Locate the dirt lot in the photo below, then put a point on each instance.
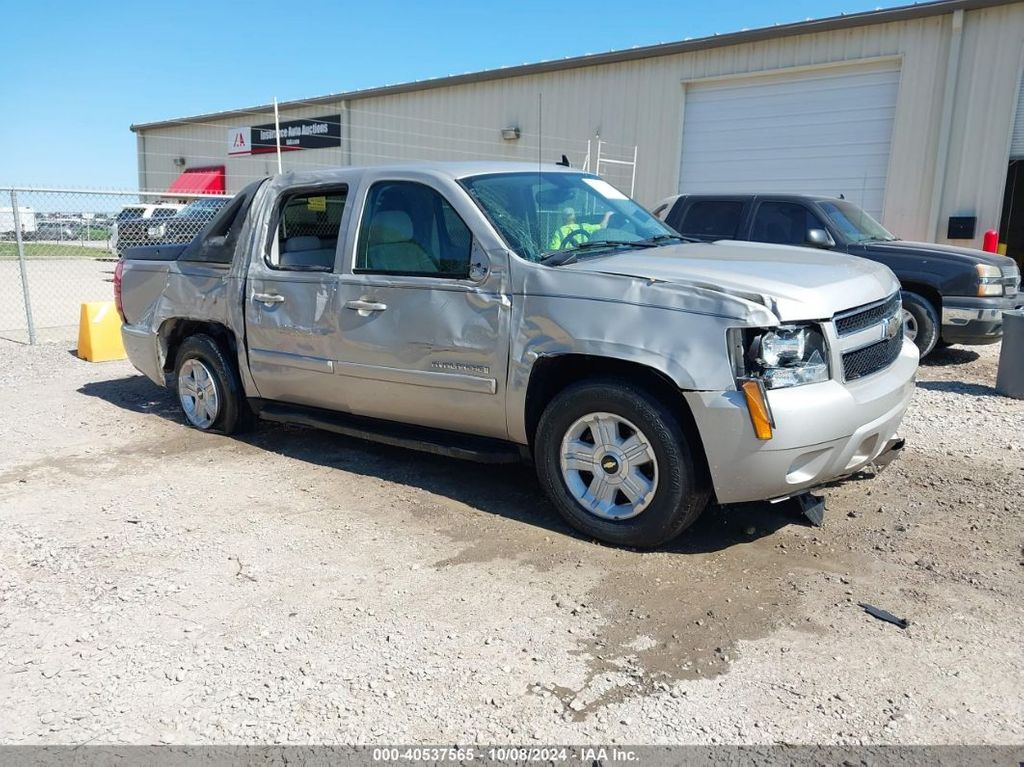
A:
(162, 585)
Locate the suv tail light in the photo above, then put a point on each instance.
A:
(118, 271)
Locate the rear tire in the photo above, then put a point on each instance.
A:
(921, 322)
(618, 465)
(209, 389)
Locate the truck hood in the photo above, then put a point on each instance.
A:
(796, 283)
(949, 253)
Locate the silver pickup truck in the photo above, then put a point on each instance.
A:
(503, 312)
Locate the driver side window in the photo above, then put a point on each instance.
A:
(409, 228)
(785, 223)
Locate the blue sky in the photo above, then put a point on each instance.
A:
(77, 74)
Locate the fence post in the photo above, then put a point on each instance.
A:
(21, 264)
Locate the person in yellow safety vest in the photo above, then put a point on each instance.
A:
(570, 234)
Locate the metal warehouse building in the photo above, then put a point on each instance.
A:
(914, 112)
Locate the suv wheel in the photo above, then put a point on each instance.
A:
(618, 465)
(920, 322)
(208, 387)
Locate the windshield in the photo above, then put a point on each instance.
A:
(541, 214)
(854, 223)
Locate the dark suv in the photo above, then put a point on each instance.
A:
(182, 227)
(951, 295)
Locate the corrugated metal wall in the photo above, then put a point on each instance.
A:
(641, 103)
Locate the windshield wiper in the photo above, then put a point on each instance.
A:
(663, 237)
(568, 256)
(591, 244)
(558, 258)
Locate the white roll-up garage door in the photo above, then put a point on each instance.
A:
(819, 132)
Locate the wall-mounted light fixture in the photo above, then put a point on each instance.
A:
(179, 162)
(510, 134)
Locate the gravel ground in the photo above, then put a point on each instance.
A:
(159, 585)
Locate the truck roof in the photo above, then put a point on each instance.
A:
(453, 170)
(784, 196)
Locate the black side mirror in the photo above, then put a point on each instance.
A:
(820, 238)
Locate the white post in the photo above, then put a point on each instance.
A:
(597, 165)
(277, 133)
(22, 267)
(632, 183)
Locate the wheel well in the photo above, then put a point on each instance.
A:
(174, 332)
(550, 375)
(926, 292)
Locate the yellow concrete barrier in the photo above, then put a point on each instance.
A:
(99, 333)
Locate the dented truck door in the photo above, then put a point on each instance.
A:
(291, 298)
(424, 319)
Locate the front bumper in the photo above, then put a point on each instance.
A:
(976, 321)
(822, 432)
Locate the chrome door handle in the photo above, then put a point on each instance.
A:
(268, 298)
(366, 306)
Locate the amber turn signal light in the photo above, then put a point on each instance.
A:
(757, 404)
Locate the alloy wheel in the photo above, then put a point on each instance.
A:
(197, 392)
(609, 466)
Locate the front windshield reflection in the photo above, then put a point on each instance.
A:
(544, 214)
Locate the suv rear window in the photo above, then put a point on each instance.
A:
(130, 213)
(712, 218)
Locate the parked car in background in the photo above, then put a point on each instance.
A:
(182, 227)
(136, 212)
(497, 311)
(951, 295)
(57, 230)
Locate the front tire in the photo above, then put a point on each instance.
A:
(208, 387)
(618, 465)
(920, 322)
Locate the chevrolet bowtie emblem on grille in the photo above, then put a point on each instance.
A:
(891, 326)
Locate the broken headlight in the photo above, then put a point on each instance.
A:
(789, 355)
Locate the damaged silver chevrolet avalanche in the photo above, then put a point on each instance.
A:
(495, 312)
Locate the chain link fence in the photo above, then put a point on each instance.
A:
(58, 248)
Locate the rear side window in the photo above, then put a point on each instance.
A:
(308, 224)
(712, 218)
(785, 223)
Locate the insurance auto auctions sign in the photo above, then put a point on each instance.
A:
(305, 133)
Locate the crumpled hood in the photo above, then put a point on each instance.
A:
(798, 283)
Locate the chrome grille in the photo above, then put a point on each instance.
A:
(871, 359)
(870, 336)
(864, 317)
